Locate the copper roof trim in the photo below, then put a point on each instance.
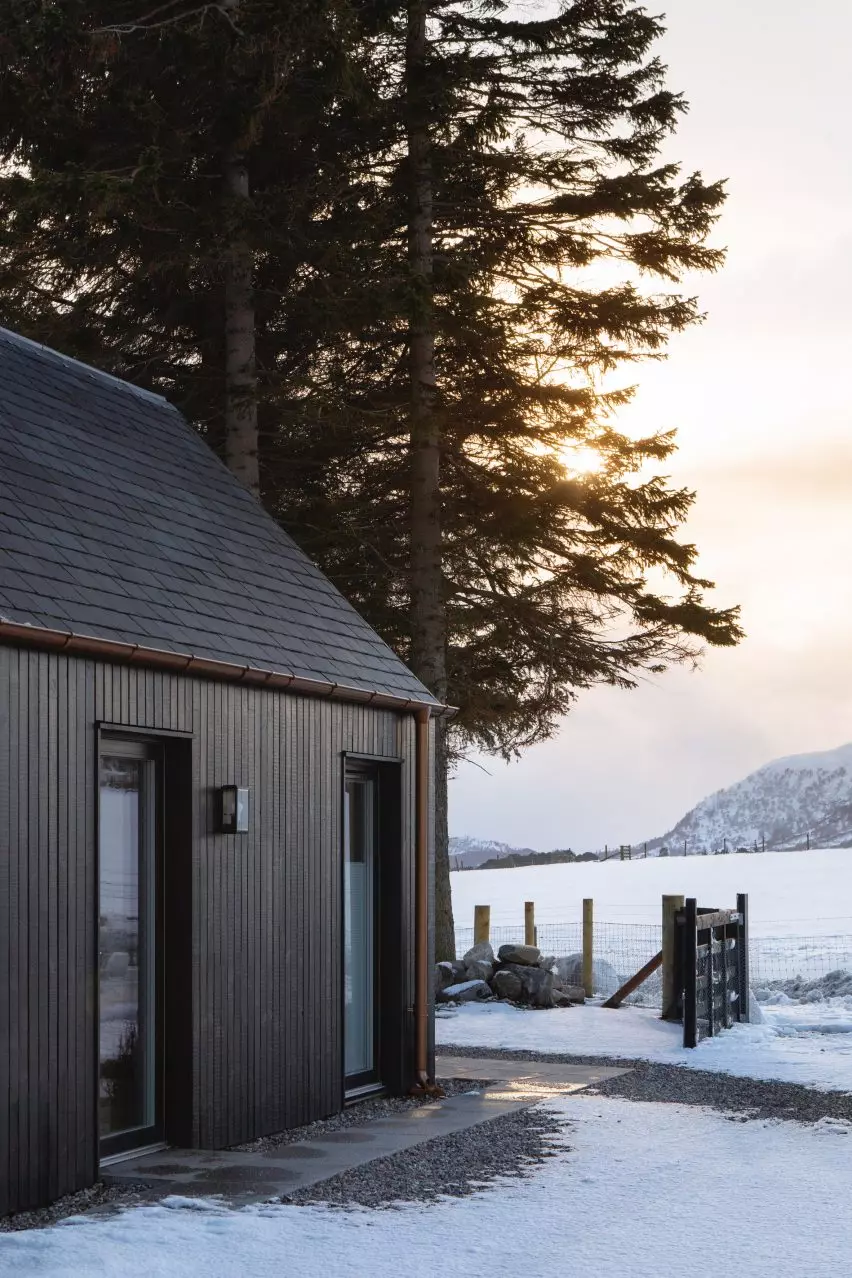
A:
(185, 663)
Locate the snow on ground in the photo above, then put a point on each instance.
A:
(627, 1196)
(796, 894)
(797, 1043)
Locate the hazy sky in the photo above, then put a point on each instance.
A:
(761, 395)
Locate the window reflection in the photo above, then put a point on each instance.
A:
(125, 956)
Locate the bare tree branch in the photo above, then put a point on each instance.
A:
(152, 21)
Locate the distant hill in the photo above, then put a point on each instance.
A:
(486, 854)
(781, 806)
(467, 853)
(561, 856)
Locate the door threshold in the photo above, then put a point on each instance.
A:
(112, 1159)
(367, 1092)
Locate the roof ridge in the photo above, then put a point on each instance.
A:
(89, 368)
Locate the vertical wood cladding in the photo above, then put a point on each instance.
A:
(263, 996)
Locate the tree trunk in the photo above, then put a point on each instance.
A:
(428, 612)
(445, 932)
(241, 443)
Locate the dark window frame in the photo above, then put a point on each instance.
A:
(152, 841)
(388, 1073)
(175, 934)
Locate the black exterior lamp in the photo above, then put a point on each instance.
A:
(234, 811)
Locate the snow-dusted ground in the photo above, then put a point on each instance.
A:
(791, 894)
(796, 904)
(625, 1197)
(798, 1043)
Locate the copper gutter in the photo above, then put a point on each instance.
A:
(186, 663)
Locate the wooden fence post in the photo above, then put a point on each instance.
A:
(588, 946)
(671, 993)
(529, 922)
(481, 923)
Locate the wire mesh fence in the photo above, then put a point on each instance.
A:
(806, 969)
(802, 968)
(620, 949)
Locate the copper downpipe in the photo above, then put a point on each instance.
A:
(425, 1084)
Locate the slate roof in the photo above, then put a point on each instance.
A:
(118, 522)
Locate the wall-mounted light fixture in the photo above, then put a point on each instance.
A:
(234, 811)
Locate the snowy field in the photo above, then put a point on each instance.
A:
(621, 1198)
(791, 894)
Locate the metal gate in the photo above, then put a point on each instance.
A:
(712, 951)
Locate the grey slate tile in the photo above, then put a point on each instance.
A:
(118, 521)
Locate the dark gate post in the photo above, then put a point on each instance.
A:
(672, 965)
(743, 1010)
(690, 973)
(709, 978)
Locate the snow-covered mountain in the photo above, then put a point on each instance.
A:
(782, 805)
(466, 852)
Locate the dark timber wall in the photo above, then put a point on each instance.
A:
(262, 993)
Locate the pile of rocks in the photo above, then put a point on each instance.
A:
(517, 974)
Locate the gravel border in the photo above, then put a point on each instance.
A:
(103, 1199)
(99, 1199)
(675, 1084)
(457, 1165)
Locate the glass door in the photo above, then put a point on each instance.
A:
(129, 1093)
(360, 884)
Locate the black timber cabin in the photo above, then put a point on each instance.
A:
(215, 802)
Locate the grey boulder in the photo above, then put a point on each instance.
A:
(506, 984)
(560, 999)
(525, 955)
(444, 976)
(569, 971)
(536, 985)
(479, 970)
(481, 953)
(465, 992)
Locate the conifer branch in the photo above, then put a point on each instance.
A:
(152, 21)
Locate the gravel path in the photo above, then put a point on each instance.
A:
(512, 1145)
(673, 1084)
(456, 1165)
(102, 1198)
(99, 1199)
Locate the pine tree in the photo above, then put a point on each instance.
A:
(161, 166)
(530, 154)
(550, 216)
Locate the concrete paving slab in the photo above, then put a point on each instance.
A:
(256, 1175)
(247, 1176)
(498, 1069)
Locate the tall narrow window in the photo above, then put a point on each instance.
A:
(360, 914)
(127, 943)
